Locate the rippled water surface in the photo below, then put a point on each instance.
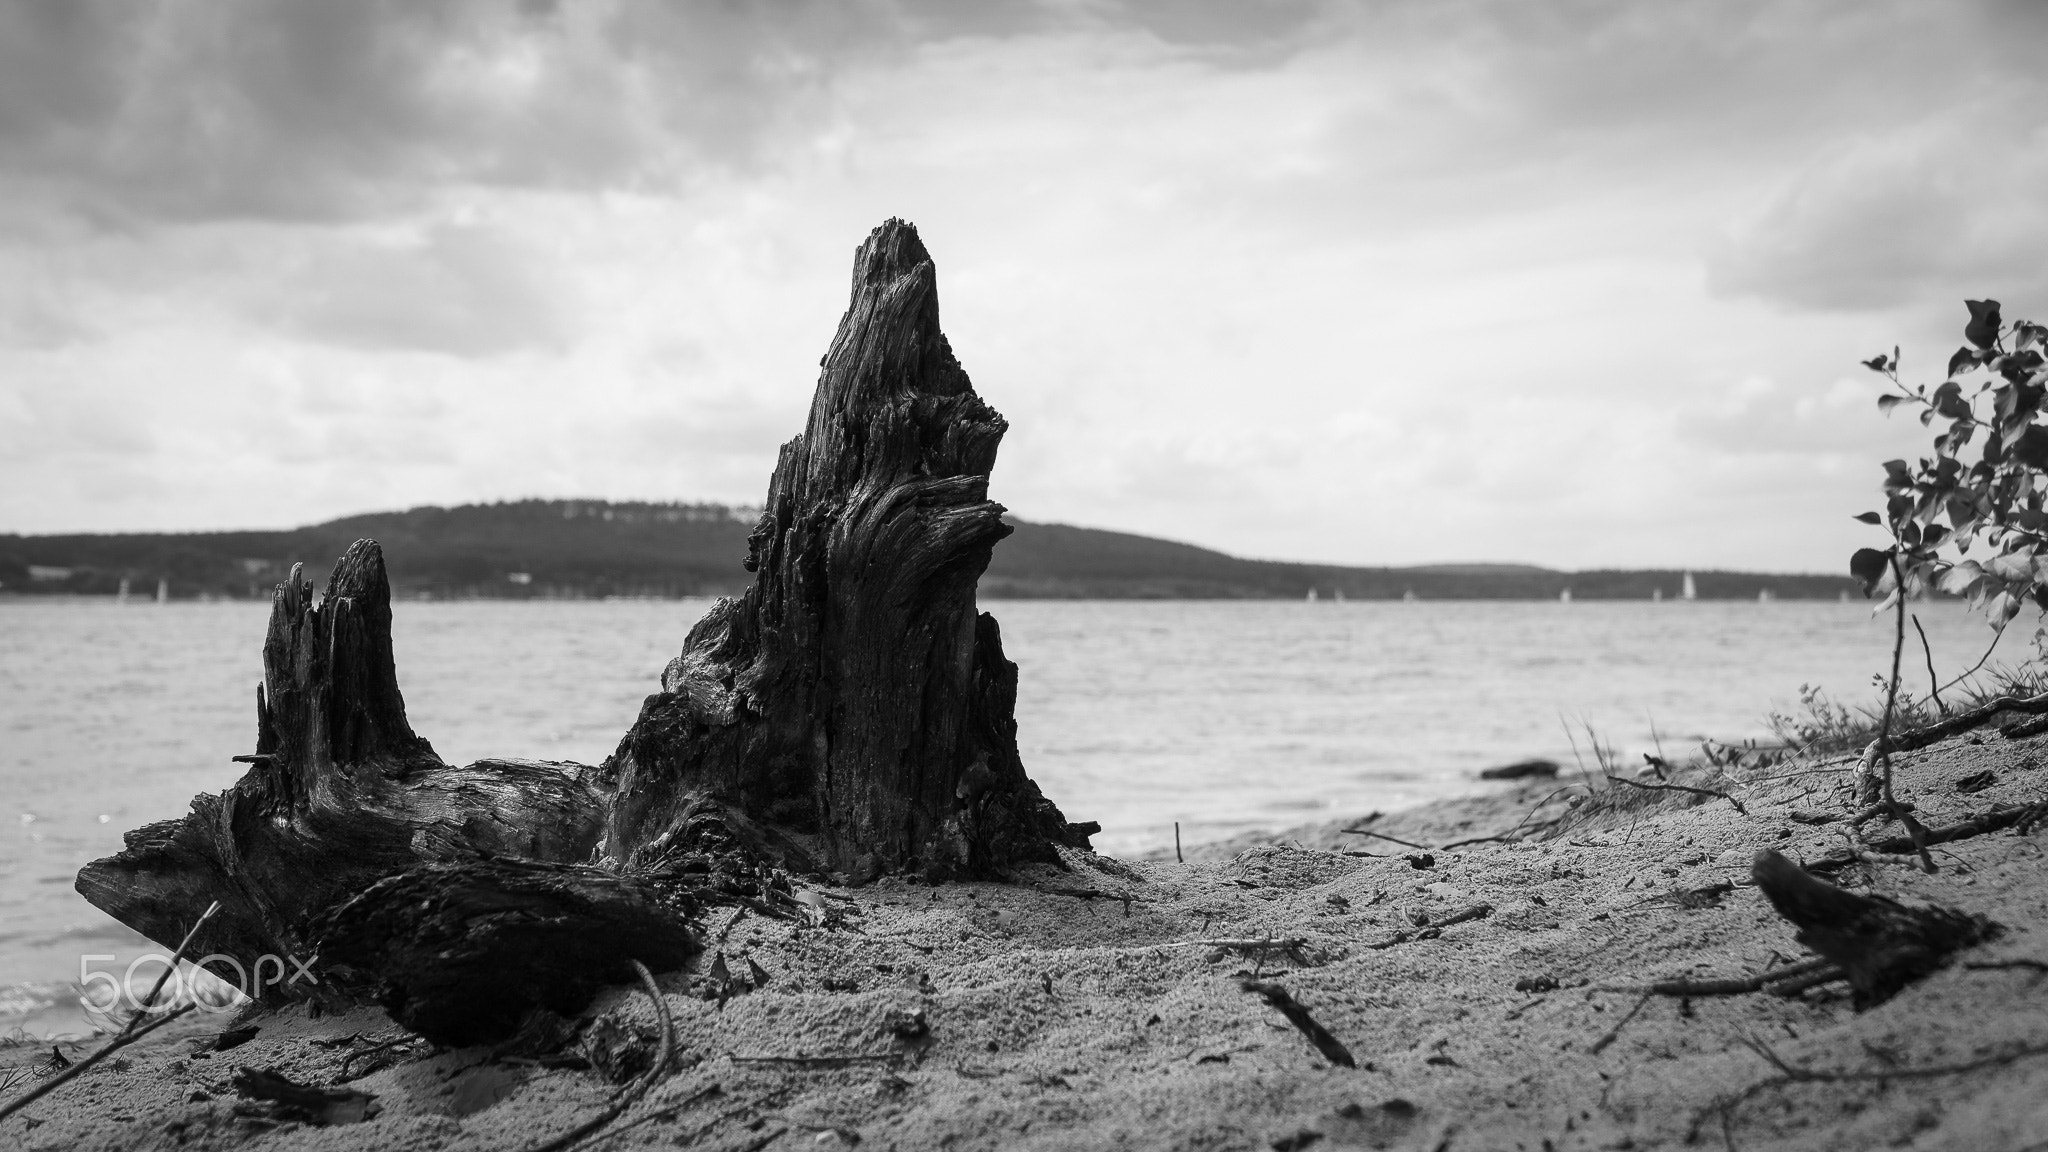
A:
(1221, 715)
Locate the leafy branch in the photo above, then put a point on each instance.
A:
(1940, 506)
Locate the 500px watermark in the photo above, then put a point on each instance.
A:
(201, 985)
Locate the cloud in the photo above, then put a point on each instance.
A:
(1949, 211)
(459, 290)
(1377, 282)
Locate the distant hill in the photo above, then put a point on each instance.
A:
(531, 549)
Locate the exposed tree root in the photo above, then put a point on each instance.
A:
(1793, 1074)
(2022, 818)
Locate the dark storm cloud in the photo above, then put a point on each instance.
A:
(315, 110)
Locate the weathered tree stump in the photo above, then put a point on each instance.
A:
(853, 698)
(851, 713)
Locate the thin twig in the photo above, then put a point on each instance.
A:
(1891, 692)
(1477, 840)
(827, 1061)
(639, 1087)
(1793, 1074)
(1814, 979)
(1988, 965)
(176, 956)
(1681, 788)
(1733, 986)
(1384, 836)
(372, 1050)
(1601, 1044)
(1997, 634)
(1933, 689)
(1278, 999)
(111, 1046)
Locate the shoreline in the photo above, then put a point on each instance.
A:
(1028, 1015)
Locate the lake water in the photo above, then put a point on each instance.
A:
(1223, 716)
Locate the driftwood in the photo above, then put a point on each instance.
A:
(851, 714)
(1879, 944)
(341, 794)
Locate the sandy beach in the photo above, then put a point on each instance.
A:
(1487, 994)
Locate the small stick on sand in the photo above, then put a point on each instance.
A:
(1384, 836)
(1681, 788)
(112, 1046)
(130, 1032)
(1992, 965)
(1277, 998)
(1177, 857)
(1776, 979)
(1613, 1033)
(828, 1061)
(1478, 840)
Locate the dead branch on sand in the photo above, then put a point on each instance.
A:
(1277, 998)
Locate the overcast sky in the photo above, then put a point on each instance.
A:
(1582, 284)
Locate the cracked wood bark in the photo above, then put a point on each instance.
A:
(853, 697)
(852, 711)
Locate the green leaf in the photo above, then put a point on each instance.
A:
(1964, 360)
(1869, 566)
(1948, 400)
(1982, 330)
(1877, 363)
(1870, 517)
(1957, 581)
(2032, 448)
(2018, 569)
(1887, 402)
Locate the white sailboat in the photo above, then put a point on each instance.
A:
(1409, 596)
(1765, 596)
(163, 591)
(123, 597)
(1690, 591)
(1311, 595)
(1657, 595)
(1564, 597)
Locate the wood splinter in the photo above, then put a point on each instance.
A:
(1879, 944)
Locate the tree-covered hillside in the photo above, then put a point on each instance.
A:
(592, 548)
